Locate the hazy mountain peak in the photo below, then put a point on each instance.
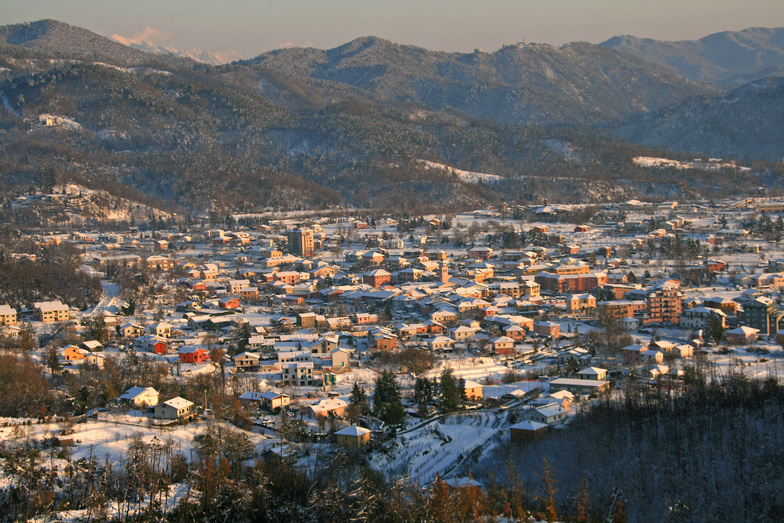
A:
(62, 40)
(199, 55)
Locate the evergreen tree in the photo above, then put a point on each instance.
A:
(359, 399)
(714, 330)
(386, 399)
(450, 398)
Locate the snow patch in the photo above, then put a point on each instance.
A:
(713, 164)
(466, 176)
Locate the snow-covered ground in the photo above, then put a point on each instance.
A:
(466, 176)
(439, 447)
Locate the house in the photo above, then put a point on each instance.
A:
(592, 373)
(585, 387)
(272, 401)
(161, 329)
(178, 409)
(342, 357)
(151, 343)
(482, 253)
(92, 345)
(353, 437)
(7, 315)
(95, 358)
(632, 354)
(462, 333)
(130, 330)
(696, 318)
(440, 343)
(140, 396)
(527, 431)
(377, 278)
(503, 345)
(515, 332)
(333, 406)
(547, 328)
(578, 303)
(229, 302)
(246, 361)
(249, 293)
(742, 335)
(49, 311)
(473, 390)
(191, 354)
(297, 373)
(73, 353)
(548, 414)
(683, 351)
(762, 314)
(251, 400)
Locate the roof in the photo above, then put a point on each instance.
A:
(135, 392)
(593, 371)
(47, 306)
(178, 403)
(352, 431)
(190, 349)
(529, 425)
(6, 309)
(462, 482)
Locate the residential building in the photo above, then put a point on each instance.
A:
(7, 315)
(140, 396)
(581, 386)
(298, 373)
(178, 409)
(665, 305)
(50, 311)
(353, 437)
(763, 315)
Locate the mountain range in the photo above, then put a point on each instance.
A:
(730, 58)
(198, 55)
(365, 123)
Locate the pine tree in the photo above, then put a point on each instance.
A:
(386, 399)
(450, 399)
(360, 399)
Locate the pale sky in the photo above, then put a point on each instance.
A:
(252, 27)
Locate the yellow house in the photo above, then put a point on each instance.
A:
(353, 437)
(49, 311)
(74, 353)
(7, 315)
(473, 390)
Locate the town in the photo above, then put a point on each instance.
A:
(419, 342)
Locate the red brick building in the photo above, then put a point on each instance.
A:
(377, 278)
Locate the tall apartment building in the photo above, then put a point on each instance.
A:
(301, 242)
(763, 315)
(665, 306)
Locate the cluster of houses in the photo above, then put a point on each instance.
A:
(311, 308)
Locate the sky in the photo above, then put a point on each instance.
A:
(252, 27)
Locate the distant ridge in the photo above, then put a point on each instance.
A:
(726, 57)
(576, 84)
(70, 42)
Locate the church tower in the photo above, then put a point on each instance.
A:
(443, 272)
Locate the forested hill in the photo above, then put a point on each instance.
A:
(353, 126)
(730, 57)
(578, 83)
(747, 123)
